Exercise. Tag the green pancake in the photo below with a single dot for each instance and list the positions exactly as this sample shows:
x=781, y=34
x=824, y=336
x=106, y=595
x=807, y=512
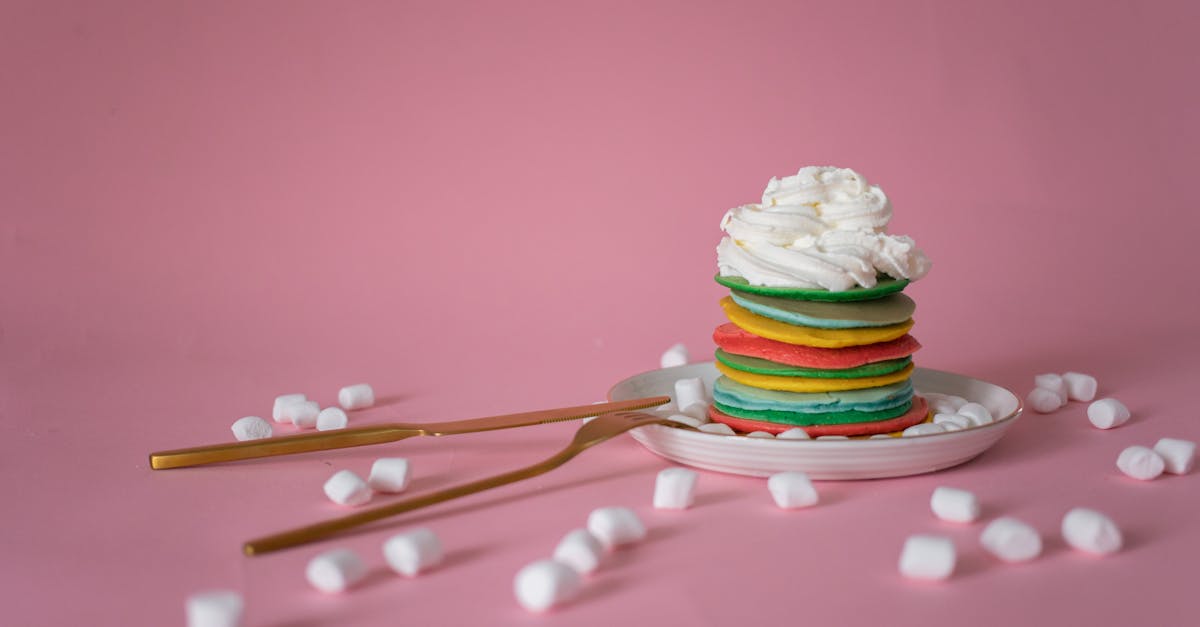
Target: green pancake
x=762, y=366
x=806, y=419
x=885, y=285
x=877, y=312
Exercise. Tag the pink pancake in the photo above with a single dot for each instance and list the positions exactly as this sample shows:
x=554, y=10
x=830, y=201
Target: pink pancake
x=915, y=415
x=733, y=339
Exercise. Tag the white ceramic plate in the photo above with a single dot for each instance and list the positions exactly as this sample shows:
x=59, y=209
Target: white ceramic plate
x=823, y=459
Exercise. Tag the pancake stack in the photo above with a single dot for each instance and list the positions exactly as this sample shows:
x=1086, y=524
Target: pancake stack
x=828, y=362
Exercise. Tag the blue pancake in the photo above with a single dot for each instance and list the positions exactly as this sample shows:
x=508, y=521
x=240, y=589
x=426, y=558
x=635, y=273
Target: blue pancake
x=732, y=394
x=880, y=312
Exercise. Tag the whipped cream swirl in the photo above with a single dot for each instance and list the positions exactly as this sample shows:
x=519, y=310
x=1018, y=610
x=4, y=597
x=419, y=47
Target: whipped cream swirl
x=822, y=228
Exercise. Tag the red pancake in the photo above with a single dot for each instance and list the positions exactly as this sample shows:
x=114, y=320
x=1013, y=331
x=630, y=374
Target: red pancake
x=918, y=413
x=734, y=339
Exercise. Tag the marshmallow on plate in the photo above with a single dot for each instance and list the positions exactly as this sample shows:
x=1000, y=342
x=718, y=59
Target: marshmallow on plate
x=952, y=422
x=677, y=355
x=281, y=403
x=580, y=550
x=927, y=557
x=1011, y=540
x=687, y=420
x=412, y=552
x=215, y=608
x=356, y=396
x=250, y=428
x=1043, y=401
x=335, y=571
x=1091, y=531
x=688, y=391
x=1178, y=454
x=331, y=418
x=978, y=414
x=697, y=410
x=544, y=584
x=944, y=403
x=1053, y=382
x=925, y=428
x=718, y=428
x=954, y=505
x=389, y=474
x=675, y=488
x=1107, y=413
x=1141, y=463
x=792, y=490
x=1080, y=387
x=761, y=434
x=615, y=526
x=347, y=488
x=795, y=433
x=303, y=414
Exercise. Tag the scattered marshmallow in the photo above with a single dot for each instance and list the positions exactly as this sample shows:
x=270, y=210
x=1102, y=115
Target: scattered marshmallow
x=1043, y=401
x=944, y=403
x=687, y=420
x=215, y=608
x=347, y=488
x=356, y=396
x=954, y=505
x=1108, y=413
x=953, y=422
x=925, y=428
x=331, y=418
x=927, y=557
x=1080, y=387
x=697, y=410
x=413, y=552
x=792, y=490
x=615, y=526
x=335, y=571
x=978, y=414
x=677, y=355
x=580, y=550
x=675, y=488
x=1178, y=455
x=718, y=428
x=1053, y=382
x=688, y=391
x=544, y=584
x=1141, y=463
x=761, y=434
x=281, y=403
x=1091, y=531
x=833, y=437
x=795, y=433
x=303, y=414
x=880, y=436
x=389, y=474
x=1011, y=540
x=251, y=428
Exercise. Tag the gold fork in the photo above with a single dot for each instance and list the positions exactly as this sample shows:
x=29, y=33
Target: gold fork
x=601, y=429
x=378, y=434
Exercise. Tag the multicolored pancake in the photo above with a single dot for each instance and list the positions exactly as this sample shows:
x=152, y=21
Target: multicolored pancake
x=735, y=340
x=812, y=384
x=918, y=412
x=763, y=366
x=884, y=285
x=810, y=336
x=741, y=398
x=881, y=312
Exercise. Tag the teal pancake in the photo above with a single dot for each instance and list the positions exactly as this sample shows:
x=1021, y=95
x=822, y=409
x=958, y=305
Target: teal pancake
x=732, y=394
x=808, y=419
x=884, y=285
x=762, y=366
x=878, y=312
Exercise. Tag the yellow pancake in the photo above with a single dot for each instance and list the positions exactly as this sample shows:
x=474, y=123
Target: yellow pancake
x=810, y=336
x=811, y=384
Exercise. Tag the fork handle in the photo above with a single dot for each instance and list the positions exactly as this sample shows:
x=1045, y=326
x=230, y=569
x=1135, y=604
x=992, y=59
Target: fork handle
x=285, y=445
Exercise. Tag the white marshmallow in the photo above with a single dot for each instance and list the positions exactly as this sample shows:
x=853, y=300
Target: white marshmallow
x=615, y=526
x=332, y=418
x=1053, y=382
x=954, y=505
x=1043, y=401
x=953, y=422
x=335, y=571
x=833, y=437
x=792, y=490
x=215, y=608
x=356, y=396
x=1178, y=455
x=389, y=474
x=677, y=355
x=944, y=403
x=1091, y=531
x=675, y=488
x=1141, y=463
x=761, y=434
x=880, y=436
x=687, y=420
x=1011, y=540
x=281, y=402
x=1107, y=413
x=718, y=428
x=795, y=433
x=347, y=488
x=697, y=410
x=927, y=557
x=250, y=428
x=978, y=414
x=544, y=584
x=580, y=550
x=413, y=552
x=1080, y=387
x=303, y=414
x=688, y=391
x=925, y=428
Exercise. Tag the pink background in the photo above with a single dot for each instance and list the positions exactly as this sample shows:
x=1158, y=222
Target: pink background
x=508, y=206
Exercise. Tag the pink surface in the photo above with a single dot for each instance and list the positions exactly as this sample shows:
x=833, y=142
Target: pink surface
x=483, y=209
